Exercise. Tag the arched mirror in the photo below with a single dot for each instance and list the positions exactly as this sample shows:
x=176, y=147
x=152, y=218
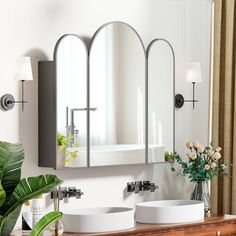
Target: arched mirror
x=117, y=96
x=71, y=74
x=161, y=91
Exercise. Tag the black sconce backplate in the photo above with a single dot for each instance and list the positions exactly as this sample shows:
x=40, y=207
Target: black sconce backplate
x=179, y=100
x=7, y=102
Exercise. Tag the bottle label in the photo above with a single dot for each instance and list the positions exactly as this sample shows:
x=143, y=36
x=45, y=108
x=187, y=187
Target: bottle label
x=26, y=221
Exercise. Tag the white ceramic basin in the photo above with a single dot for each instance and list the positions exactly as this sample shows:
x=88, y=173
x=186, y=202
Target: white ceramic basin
x=95, y=220
x=169, y=211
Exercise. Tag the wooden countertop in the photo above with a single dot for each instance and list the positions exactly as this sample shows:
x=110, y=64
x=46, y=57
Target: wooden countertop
x=141, y=229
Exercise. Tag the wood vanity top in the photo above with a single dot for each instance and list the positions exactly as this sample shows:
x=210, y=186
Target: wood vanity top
x=176, y=229
x=214, y=225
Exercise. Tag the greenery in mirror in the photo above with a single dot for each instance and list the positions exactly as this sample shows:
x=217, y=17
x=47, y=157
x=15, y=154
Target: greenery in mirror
x=202, y=164
x=63, y=142
x=47, y=220
x=14, y=191
x=169, y=157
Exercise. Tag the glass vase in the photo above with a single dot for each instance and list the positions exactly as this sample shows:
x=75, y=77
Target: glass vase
x=201, y=193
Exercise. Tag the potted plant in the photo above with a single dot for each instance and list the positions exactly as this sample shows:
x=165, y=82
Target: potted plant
x=202, y=164
x=14, y=191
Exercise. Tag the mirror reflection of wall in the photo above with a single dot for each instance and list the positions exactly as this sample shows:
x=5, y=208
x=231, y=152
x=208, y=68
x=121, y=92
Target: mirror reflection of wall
x=160, y=96
x=117, y=87
x=71, y=70
x=117, y=90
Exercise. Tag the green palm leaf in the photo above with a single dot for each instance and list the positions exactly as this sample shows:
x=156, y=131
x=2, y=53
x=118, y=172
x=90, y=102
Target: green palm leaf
x=46, y=221
x=27, y=189
x=11, y=159
x=8, y=223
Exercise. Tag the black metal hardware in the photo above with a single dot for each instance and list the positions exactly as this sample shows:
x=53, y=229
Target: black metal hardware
x=8, y=102
x=179, y=99
x=130, y=187
x=139, y=186
x=64, y=192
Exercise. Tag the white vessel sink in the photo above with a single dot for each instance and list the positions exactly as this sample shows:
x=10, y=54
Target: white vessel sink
x=169, y=211
x=95, y=220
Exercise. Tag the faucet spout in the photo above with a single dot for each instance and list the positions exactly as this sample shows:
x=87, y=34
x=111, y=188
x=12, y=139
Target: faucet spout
x=71, y=127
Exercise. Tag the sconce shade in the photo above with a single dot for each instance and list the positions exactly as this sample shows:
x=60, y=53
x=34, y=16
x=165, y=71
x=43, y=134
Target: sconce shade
x=194, y=73
x=24, y=69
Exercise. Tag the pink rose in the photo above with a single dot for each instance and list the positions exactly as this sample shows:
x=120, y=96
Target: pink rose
x=213, y=165
x=216, y=156
x=207, y=167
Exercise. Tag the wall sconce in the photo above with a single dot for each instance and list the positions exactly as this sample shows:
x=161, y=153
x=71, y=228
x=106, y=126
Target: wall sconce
x=193, y=75
x=23, y=73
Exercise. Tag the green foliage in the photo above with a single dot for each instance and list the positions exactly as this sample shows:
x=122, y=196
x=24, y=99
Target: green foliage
x=203, y=163
x=13, y=191
x=63, y=142
x=47, y=220
x=169, y=156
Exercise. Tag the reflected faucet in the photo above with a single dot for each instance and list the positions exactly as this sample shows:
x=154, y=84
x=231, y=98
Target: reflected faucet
x=70, y=129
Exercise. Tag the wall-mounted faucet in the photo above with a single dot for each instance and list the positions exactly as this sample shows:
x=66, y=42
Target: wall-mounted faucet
x=64, y=192
x=139, y=186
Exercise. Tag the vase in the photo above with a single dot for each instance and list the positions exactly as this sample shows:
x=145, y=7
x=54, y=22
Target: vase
x=201, y=193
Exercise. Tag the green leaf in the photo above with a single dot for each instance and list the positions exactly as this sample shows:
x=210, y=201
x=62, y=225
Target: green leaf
x=2, y=195
x=46, y=221
x=172, y=169
x=27, y=189
x=73, y=154
x=8, y=223
x=11, y=159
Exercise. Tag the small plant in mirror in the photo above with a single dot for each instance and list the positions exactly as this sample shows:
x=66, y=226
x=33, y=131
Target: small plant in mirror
x=169, y=156
x=64, y=142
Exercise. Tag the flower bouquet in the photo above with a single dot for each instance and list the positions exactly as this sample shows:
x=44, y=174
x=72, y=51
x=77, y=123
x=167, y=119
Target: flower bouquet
x=202, y=164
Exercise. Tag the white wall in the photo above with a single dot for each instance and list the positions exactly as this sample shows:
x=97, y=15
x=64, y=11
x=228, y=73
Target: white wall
x=33, y=27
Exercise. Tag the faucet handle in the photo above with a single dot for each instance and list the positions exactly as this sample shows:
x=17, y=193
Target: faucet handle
x=153, y=187
x=74, y=192
x=62, y=192
x=130, y=187
x=79, y=193
x=138, y=186
x=146, y=185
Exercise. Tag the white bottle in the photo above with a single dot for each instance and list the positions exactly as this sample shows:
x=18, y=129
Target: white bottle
x=26, y=218
x=37, y=208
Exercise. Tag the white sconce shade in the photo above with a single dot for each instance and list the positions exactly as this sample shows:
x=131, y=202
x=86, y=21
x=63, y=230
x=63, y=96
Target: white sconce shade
x=24, y=69
x=194, y=73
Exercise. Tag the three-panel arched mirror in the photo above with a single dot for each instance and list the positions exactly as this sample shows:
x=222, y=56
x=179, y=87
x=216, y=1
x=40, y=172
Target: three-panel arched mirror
x=113, y=100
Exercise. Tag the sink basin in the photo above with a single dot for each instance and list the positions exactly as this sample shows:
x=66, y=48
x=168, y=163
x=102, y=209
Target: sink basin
x=169, y=211
x=100, y=219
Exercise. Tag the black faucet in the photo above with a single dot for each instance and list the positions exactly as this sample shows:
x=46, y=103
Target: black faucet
x=138, y=186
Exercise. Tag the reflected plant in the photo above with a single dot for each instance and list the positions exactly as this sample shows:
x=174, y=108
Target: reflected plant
x=64, y=142
x=169, y=156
